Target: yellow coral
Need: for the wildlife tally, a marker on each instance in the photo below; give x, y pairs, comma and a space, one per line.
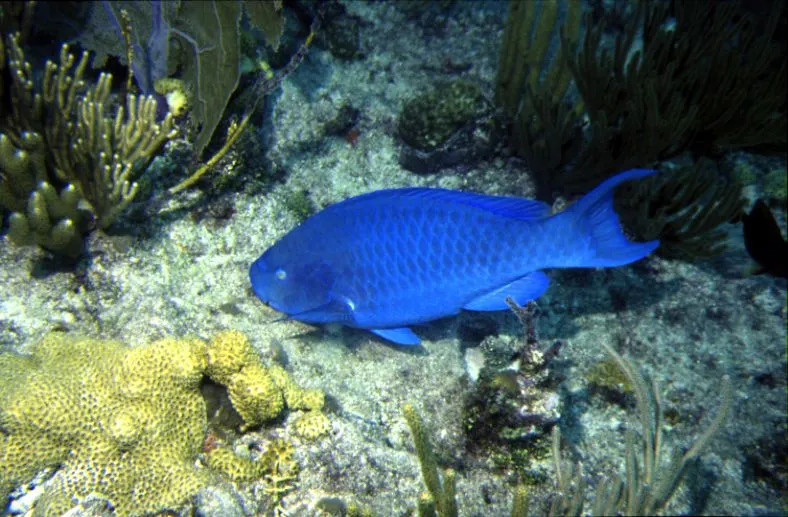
176, 93
281, 469
258, 393
132, 440
223, 460
312, 425
295, 396
129, 423
254, 395
228, 352
307, 399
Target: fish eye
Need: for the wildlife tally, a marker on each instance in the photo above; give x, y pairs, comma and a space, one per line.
280, 274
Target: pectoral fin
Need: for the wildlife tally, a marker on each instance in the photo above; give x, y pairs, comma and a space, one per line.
400, 336
338, 310
528, 287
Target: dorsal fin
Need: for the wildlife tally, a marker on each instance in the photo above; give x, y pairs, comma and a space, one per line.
506, 206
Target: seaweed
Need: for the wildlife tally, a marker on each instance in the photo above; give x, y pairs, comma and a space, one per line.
199, 39
735, 74
705, 77
684, 209
636, 115
534, 87
651, 479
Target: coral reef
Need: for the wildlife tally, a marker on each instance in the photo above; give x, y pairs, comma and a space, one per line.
514, 403
129, 423
237, 468
123, 423
257, 392
281, 469
276, 466
312, 425
65, 161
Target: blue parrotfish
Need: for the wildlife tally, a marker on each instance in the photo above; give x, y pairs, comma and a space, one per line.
393, 258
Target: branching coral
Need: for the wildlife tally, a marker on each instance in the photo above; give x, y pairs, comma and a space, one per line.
63, 158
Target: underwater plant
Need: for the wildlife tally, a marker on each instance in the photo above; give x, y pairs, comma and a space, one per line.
708, 77
680, 76
684, 209
167, 35
650, 480
534, 88
65, 162
441, 496
67, 165
440, 500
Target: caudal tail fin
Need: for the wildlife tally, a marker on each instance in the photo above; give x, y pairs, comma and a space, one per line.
594, 213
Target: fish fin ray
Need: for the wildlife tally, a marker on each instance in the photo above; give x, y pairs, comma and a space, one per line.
595, 212
400, 336
336, 310
525, 288
506, 206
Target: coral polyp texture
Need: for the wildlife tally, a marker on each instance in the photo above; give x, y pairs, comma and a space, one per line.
258, 393
126, 424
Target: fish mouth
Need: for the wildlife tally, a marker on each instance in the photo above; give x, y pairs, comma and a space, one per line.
273, 305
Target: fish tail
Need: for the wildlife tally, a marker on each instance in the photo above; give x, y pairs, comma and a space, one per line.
594, 213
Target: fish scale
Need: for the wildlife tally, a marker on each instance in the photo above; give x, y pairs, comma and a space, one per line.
393, 258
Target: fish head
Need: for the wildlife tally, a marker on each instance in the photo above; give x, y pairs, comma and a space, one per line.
289, 287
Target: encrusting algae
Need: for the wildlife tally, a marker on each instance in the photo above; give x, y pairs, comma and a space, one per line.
128, 424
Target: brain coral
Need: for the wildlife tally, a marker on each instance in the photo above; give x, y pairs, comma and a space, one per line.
124, 423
